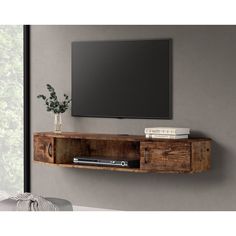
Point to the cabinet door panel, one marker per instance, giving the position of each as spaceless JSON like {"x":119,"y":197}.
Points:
{"x":44,"y":149}
{"x":165,"y":156}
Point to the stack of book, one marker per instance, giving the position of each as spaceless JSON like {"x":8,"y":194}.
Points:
{"x":167,"y":132}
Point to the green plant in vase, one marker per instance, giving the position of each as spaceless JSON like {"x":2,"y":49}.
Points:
{"x":55,"y":106}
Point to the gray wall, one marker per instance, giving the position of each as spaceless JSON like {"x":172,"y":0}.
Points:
{"x":204,"y":83}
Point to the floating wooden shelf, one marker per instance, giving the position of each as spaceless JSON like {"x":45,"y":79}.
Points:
{"x":155,"y":155}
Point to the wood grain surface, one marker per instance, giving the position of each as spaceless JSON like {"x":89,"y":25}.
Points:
{"x":156,"y":155}
{"x":44,"y":148}
{"x":165,"y":156}
{"x":201,"y":156}
{"x":122,"y":137}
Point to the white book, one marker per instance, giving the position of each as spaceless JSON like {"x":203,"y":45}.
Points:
{"x":165,"y":136}
{"x":167,"y":130}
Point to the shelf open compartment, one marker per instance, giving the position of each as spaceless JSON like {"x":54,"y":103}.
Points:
{"x":67,"y":149}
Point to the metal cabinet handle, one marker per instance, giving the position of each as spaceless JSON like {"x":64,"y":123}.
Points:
{"x":50,"y":149}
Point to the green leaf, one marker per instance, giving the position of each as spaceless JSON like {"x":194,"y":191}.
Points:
{"x":52,"y":103}
{"x":41,"y":96}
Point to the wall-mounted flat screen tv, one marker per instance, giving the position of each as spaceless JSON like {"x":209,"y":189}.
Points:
{"x":122,"y":79}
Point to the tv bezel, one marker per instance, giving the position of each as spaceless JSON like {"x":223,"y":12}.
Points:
{"x":132,"y":117}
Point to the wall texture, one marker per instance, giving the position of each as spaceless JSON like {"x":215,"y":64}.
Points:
{"x":204,"y":83}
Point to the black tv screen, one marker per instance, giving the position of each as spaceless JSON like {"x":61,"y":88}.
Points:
{"x":122,"y":79}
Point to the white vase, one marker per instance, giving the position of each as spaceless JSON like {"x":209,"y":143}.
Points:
{"x":57,"y":123}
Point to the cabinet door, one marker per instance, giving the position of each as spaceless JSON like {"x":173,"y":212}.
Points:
{"x":165,"y":156}
{"x":43,"y":149}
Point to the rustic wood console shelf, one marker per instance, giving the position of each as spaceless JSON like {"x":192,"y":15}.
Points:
{"x":155,"y":155}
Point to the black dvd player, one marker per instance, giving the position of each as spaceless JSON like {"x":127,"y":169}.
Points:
{"x":106,"y":162}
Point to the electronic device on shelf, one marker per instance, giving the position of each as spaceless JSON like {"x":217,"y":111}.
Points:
{"x":106,"y":162}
